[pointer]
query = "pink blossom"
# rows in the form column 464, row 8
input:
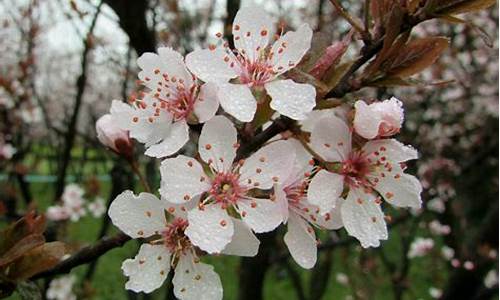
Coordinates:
column 379, row 119
column 112, row 136
column 420, row 247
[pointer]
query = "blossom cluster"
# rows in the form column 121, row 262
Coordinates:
column 74, row 206
column 336, row 173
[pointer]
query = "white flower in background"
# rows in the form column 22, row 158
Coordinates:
column 491, row 279
column 439, row 229
column 468, row 265
column 62, row 288
column 97, row 208
column 226, row 185
column 420, row 247
column 143, row 216
column 298, row 214
column 379, row 119
column 57, row 213
column 342, row 278
column 447, row 252
column 376, row 167
column 32, row 115
column 159, row 119
column 73, row 201
column 7, row 151
column 255, row 65
column 435, row 292
column 112, row 136
column 436, row 205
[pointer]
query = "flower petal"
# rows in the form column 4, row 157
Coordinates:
column 176, row 139
column 270, row 165
column 391, row 149
column 217, row 143
column 400, row 189
column 194, row 280
column 167, row 62
column 290, row 48
column 291, row 99
column 244, row 242
column 237, row 100
column 148, row 269
column 210, row 228
column 262, row 215
column 366, row 122
column 252, row 29
column 363, row 218
column 331, row 139
column 301, row 241
column 207, row 104
column 182, row 179
column 138, row 216
column 324, row 190
column 210, row 66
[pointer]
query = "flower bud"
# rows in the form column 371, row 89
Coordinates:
column 379, row 119
column 112, row 136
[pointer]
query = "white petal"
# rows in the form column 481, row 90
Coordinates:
column 366, row 122
column 207, row 104
column 301, row 241
column 210, row 228
column 270, row 165
column 314, row 116
column 148, row 269
column 176, row 139
column 363, row 218
column 391, row 149
column 194, row 280
column 166, row 62
column 331, row 139
column 333, row 219
column 324, row 190
column 252, row 29
column 180, row 210
column 182, row 179
column 138, row 216
column 244, row 242
column 237, row 100
column 262, row 215
column 296, row 44
column 294, row 100
column 209, row 65
column 217, row 143
column 282, row 200
column 400, row 189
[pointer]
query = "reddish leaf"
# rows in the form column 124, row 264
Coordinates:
column 28, row 225
column 331, row 57
column 415, row 56
column 37, row 260
column 21, row 248
column 460, row 6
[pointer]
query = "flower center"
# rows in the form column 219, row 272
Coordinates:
column 255, row 73
column 226, row 189
column 296, row 192
column 355, row 169
column 178, row 102
column 174, row 238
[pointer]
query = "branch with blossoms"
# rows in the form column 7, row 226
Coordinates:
column 308, row 169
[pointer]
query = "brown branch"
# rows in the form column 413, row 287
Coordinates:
column 85, row 255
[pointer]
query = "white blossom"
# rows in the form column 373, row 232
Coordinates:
column 160, row 118
column 420, row 247
column 375, row 168
column 379, row 119
column 62, row 288
column 257, row 65
column 226, row 185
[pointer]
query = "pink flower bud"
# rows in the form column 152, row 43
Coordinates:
column 112, row 136
column 379, row 119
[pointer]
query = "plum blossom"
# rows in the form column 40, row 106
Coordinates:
column 376, row 167
column 299, row 215
column 97, row 207
column 438, row 228
column 143, row 216
column 226, row 185
column 435, row 293
column 379, row 119
column 72, row 206
column 491, row 279
column 112, row 136
column 255, row 65
column 7, row 151
column 62, row 288
column 160, row 119
column 420, row 247
column 447, row 252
